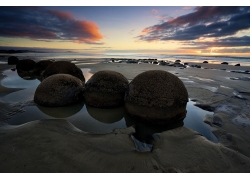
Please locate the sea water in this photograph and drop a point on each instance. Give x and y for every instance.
(76, 54)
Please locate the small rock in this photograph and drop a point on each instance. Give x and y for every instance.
(229, 136)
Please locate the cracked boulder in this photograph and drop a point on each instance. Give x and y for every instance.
(156, 97)
(105, 89)
(59, 90)
(63, 67)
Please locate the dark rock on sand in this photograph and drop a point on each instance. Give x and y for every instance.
(59, 90)
(237, 64)
(156, 97)
(185, 64)
(177, 60)
(105, 89)
(12, 60)
(63, 67)
(225, 63)
(41, 66)
(205, 62)
(229, 136)
(25, 65)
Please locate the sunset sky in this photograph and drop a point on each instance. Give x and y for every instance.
(151, 29)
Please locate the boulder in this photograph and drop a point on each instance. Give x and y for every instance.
(237, 64)
(205, 62)
(63, 67)
(105, 89)
(12, 60)
(225, 63)
(25, 65)
(177, 60)
(156, 97)
(41, 66)
(59, 90)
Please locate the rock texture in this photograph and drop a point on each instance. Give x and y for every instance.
(157, 97)
(25, 65)
(41, 66)
(105, 89)
(59, 90)
(63, 67)
(12, 60)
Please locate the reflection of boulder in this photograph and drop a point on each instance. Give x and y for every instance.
(63, 67)
(107, 116)
(25, 64)
(144, 132)
(105, 89)
(41, 66)
(59, 90)
(26, 75)
(61, 112)
(156, 97)
(12, 60)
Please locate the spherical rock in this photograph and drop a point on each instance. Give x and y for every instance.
(41, 66)
(156, 97)
(25, 65)
(205, 62)
(63, 67)
(105, 89)
(12, 60)
(237, 64)
(59, 90)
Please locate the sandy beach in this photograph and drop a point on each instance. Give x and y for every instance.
(55, 145)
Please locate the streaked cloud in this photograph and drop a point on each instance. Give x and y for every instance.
(42, 24)
(206, 22)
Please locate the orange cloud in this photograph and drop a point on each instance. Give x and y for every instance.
(38, 23)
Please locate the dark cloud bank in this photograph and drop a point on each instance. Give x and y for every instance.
(38, 23)
(206, 22)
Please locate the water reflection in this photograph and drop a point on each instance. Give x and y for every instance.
(61, 112)
(107, 116)
(145, 134)
(18, 80)
(26, 75)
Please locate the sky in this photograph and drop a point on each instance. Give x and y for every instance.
(215, 30)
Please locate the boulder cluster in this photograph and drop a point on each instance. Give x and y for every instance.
(154, 97)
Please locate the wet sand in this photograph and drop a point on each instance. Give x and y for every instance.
(57, 146)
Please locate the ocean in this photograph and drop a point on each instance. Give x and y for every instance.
(232, 60)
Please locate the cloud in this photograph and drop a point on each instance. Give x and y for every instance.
(42, 24)
(206, 21)
(224, 42)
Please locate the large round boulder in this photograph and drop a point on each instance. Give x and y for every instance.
(59, 90)
(63, 67)
(105, 89)
(156, 97)
(41, 66)
(12, 60)
(25, 65)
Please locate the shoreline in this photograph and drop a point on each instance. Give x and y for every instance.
(210, 89)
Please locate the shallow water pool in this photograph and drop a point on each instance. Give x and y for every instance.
(87, 118)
